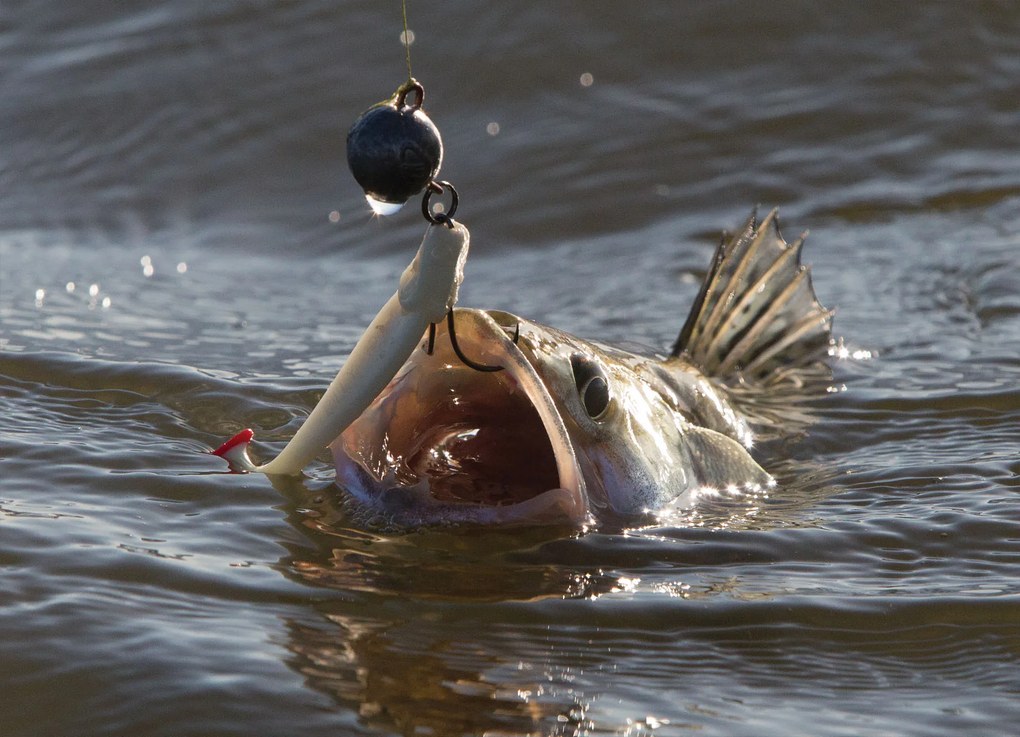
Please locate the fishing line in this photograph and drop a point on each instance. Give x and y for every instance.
(407, 40)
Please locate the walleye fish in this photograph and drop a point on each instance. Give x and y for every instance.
(571, 431)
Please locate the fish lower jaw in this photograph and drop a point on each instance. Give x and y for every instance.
(429, 502)
(557, 506)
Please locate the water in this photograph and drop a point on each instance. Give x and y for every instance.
(181, 164)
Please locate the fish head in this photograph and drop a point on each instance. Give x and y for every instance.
(624, 414)
(566, 432)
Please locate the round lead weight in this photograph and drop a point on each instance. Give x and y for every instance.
(394, 150)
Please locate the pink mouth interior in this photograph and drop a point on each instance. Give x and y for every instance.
(487, 449)
(474, 437)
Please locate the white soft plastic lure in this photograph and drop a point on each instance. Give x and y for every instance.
(428, 290)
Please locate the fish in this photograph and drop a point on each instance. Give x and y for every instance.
(574, 432)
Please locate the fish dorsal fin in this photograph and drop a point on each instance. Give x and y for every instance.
(756, 318)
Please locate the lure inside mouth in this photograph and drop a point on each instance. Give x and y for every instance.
(445, 442)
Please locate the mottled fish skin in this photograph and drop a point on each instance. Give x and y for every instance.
(627, 434)
(667, 431)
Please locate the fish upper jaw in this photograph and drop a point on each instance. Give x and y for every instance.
(444, 443)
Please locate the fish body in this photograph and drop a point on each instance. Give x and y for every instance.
(572, 431)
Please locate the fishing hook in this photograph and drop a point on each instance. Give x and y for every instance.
(439, 218)
(430, 345)
(456, 349)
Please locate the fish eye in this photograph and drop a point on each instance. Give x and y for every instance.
(592, 386)
(595, 397)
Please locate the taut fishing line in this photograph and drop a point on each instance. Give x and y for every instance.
(407, 40)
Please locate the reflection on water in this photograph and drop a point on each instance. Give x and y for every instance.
(480, 631)
(423, 666)
(404, 648)
(432, 679)
(468, 634)
(441, 675)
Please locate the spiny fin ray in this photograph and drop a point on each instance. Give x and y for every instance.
(756, 318)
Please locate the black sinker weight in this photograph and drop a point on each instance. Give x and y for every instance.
(393, 148)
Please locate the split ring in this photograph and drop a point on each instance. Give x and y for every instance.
(440, 218)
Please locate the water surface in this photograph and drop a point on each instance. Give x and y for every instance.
(183, 253)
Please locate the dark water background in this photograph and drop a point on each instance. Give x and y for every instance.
(170, 272)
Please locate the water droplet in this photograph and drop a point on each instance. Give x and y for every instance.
(148, 270)
(407, 37)
(334, 216)
(93, 290)
(40, 295)
(492, 128)
(182, 267)
(383, 208)
(69, 287)
(587, 80)
(107, 302)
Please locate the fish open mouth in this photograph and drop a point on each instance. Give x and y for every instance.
(444, 442)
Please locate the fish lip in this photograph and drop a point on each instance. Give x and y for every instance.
(523, 370)
(484, 340)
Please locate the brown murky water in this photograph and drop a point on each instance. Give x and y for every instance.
(182, 253)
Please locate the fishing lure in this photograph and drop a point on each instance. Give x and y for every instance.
(426, 294)
(394, 151)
